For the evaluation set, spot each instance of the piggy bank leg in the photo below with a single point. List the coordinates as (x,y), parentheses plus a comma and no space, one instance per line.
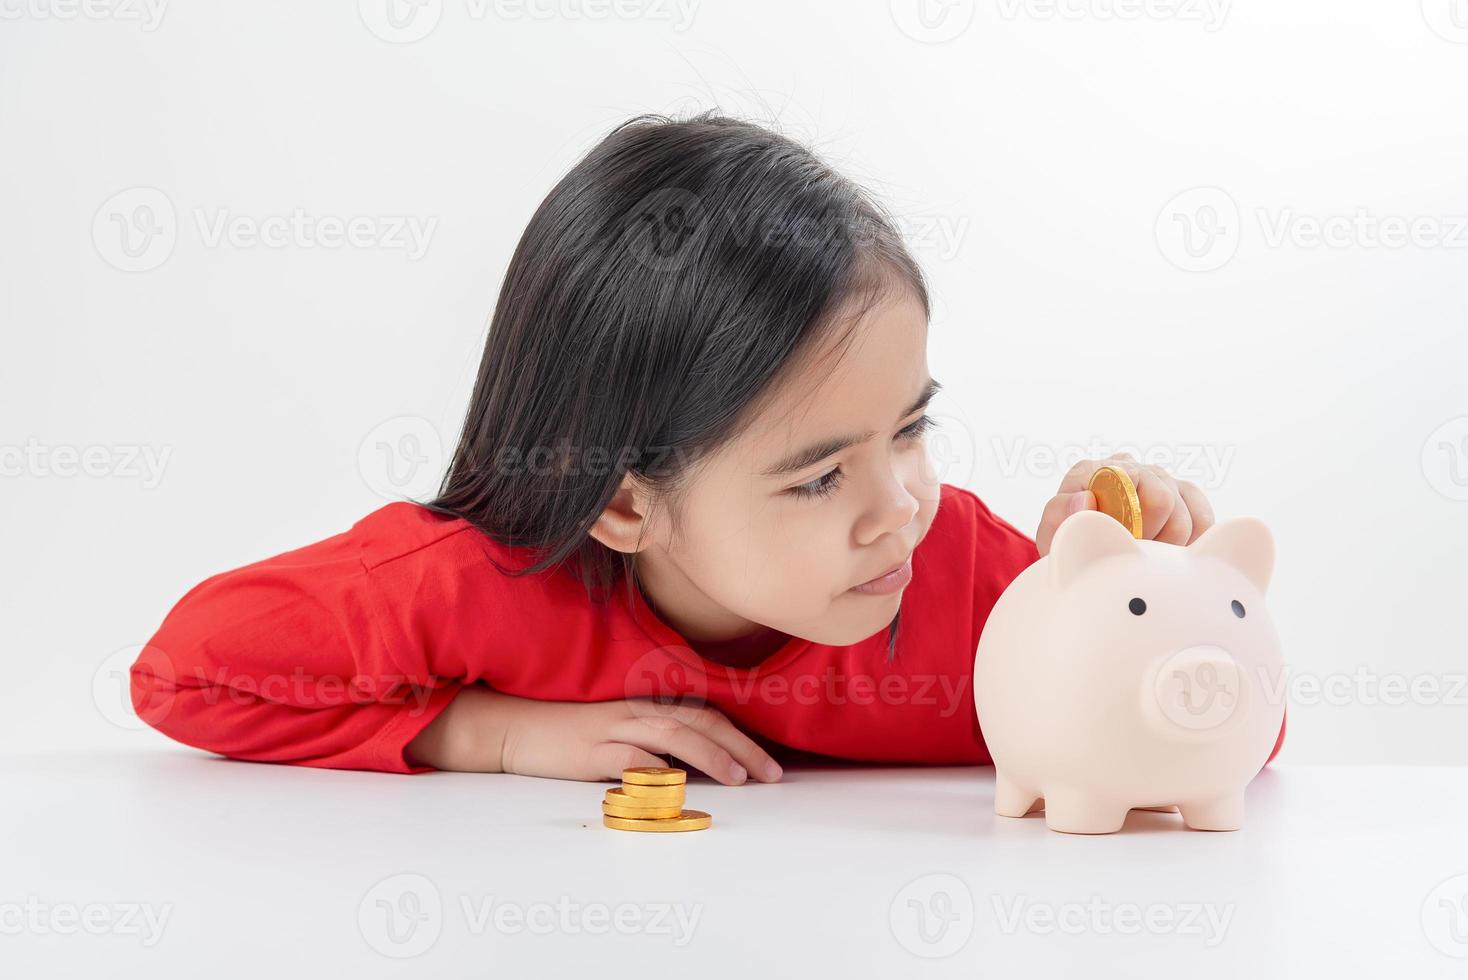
(1220,813)
(1010,800)
(1072,812)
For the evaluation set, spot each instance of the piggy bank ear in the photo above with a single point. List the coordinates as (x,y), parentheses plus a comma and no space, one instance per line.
(1243,542)
(1086,537)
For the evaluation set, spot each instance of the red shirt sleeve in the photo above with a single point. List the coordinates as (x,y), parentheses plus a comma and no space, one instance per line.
(284,660)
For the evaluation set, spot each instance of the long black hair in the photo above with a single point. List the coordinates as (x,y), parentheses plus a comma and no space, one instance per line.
(658,292)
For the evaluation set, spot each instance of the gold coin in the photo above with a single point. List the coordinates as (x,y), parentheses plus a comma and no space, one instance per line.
(653,776)
(662,795)
(641,812)
(621,797)
(1116,496)
(687,820)
(631,795)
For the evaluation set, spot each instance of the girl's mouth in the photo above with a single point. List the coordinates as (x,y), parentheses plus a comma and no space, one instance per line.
(890,582)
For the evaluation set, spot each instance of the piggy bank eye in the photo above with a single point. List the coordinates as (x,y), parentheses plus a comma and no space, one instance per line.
(1238,608)
(1137,606)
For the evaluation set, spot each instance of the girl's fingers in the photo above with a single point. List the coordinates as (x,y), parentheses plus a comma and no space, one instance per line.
(693,746)
(1157,498)
(714,725)
(1060,507)
(1173,511)
(1078,477)
(1178,526)
(1157,491)
(756,761)
(606,760)
(1198,506)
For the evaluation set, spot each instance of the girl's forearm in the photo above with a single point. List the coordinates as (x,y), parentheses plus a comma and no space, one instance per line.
(467,736)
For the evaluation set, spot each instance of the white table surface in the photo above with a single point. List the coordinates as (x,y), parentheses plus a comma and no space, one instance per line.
(251,870)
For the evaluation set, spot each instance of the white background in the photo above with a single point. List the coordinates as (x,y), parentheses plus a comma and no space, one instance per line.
(1035,155)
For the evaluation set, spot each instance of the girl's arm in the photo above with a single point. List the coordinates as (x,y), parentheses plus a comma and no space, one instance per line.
(284,661)
(467,736)
(488,731)
(287,660)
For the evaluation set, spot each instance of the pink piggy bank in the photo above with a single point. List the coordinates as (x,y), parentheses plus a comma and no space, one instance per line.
(1117,673)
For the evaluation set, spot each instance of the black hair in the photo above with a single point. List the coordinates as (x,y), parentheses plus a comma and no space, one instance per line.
(657,293)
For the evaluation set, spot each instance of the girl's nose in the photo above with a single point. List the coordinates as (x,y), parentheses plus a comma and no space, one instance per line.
(894,510)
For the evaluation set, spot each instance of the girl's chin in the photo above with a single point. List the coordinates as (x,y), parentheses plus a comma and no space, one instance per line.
(863,618)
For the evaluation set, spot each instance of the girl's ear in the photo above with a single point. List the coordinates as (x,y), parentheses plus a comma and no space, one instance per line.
(1083,538)
(1243,542)
(622,525)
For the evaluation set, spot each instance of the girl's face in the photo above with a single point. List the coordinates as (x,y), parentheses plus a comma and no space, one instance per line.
(830,487)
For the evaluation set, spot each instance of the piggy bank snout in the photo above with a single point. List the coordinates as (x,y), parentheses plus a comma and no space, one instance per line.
(1197,692)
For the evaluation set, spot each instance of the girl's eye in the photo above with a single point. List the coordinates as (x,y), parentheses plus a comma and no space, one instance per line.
(918,429)
(826,485)
(821,487)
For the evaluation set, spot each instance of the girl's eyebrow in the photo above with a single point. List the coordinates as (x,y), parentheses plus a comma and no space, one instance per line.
(816,452)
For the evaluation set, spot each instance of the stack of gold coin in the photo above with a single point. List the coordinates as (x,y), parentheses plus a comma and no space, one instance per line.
(651,799)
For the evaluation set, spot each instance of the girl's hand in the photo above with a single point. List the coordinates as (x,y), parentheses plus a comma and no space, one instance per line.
(487,731)
(1174,511)
(597,740)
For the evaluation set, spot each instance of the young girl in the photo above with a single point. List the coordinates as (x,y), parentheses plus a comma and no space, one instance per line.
(690,500)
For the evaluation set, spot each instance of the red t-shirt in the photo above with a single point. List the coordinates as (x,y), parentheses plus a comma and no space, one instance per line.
(337,654)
